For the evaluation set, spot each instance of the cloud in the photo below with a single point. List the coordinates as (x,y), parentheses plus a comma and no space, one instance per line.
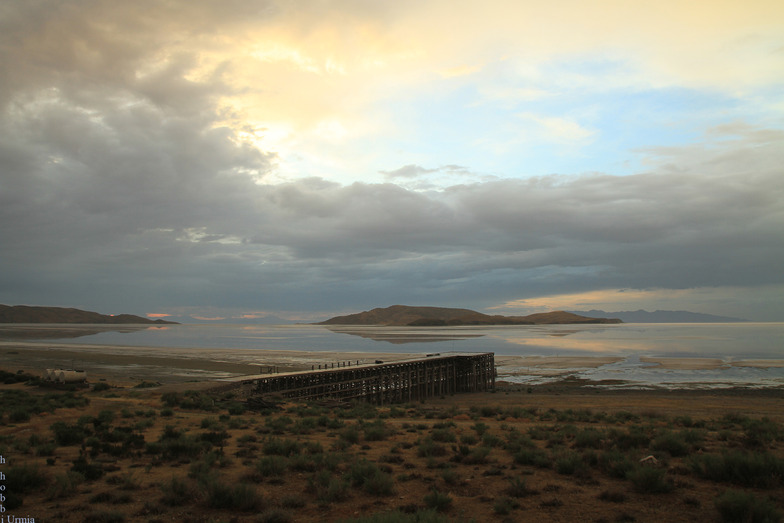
(232,156)
(559,129)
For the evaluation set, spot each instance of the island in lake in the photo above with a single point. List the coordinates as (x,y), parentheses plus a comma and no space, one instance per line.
(408,316)
(35,314)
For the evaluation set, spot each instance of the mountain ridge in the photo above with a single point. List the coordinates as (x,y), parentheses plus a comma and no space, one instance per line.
(660,316)
(423,316)
(41,314)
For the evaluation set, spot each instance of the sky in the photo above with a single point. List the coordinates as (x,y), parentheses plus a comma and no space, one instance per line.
(238,159)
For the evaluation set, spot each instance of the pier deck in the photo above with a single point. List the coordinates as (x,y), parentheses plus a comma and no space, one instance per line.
(381,383)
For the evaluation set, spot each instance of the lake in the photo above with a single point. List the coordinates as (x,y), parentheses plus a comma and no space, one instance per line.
(633,344)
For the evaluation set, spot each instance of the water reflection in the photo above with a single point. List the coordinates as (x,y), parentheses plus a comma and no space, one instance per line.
(66,331)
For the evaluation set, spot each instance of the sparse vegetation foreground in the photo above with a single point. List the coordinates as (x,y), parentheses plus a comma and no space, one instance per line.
(106,453)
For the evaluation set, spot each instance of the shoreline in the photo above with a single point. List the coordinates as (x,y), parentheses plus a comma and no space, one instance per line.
(128,364)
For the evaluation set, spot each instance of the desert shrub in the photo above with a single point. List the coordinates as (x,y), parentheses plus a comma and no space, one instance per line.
(242,497)
(19,415)
(632,438)
(64,485)
(761,432)
(623,416)
(438,501)
(476,456)
(125,481)
(407,516)
(376,431)
(90,471)
(278,424)
(532,456)
(281,447)
(445,435)
(366,475)
(101,386)
(649,480)
(235,408)
(736,506)
(569,463)
(491,440)
(518,488)
(589,438)
(429,448)
(615,464)
(758,469)
(350,435)
(360,410)
(66,434)
(517,441)
(215,438)
(174,445)
(177,492)
(480,428)
(450,477)
(272,466)
(672,443)
(379,484)
(304,425)
(468,439)
(326,488)
(22,479)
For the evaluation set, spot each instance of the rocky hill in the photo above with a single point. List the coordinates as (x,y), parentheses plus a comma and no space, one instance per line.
(33,314)
(404,315)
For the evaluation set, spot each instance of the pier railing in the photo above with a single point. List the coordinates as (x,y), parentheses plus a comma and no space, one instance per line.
(380,383)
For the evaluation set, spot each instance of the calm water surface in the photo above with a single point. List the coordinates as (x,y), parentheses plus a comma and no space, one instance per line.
(726,341)
(714,340)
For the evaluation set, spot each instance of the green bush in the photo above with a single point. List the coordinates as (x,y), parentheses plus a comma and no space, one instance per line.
(589,438)
(649,480)
(671,442)
(569,463)
(616,464)
(532,456)
(736,506)
(23,479)
(177,492)
(518,488)
(758,469)
(420,516)
(281,447)
(428,448)
(242,497)
(438,501)
(66,434)
(272,466)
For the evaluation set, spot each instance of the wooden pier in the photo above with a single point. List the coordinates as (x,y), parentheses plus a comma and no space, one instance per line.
(380,383)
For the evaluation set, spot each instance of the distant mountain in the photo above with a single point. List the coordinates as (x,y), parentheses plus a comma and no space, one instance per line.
(641,316)
(32,314)
(264,320)
(404,315)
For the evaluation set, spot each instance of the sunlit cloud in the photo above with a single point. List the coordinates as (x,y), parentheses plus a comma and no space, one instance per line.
(631,299)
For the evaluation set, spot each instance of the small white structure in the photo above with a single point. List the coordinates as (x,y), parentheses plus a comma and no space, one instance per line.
(65,375)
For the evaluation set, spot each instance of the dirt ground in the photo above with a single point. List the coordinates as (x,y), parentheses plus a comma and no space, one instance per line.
(516,454)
